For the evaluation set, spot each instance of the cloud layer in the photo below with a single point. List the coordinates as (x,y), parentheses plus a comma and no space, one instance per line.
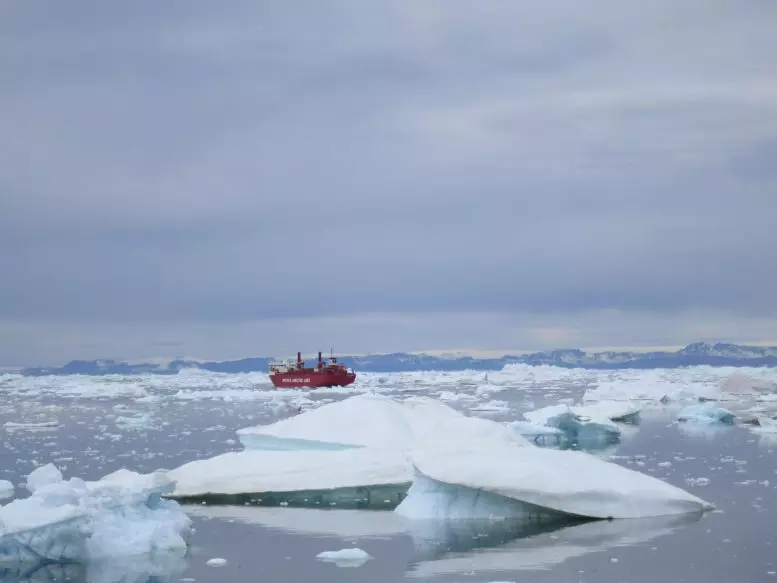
(169,166)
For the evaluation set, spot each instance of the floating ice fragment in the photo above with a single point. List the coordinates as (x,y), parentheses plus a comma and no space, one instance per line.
(6,489)
(346,557)
(503,481)
(706,413)
(216,562)
(77,521)
(43,476)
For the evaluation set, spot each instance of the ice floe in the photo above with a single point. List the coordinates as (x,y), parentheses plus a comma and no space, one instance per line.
(538,483)
(79,521)
(6,489)
(706,413)
(345,557)
(582,425)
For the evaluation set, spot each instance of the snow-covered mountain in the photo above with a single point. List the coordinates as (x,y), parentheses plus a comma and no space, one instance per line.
(698,353)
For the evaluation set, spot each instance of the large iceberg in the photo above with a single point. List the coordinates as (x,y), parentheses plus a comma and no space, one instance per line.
(537,484)
(77,521)
(365,451)
(349,454)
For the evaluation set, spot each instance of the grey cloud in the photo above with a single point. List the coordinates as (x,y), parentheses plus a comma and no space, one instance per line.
(181,163)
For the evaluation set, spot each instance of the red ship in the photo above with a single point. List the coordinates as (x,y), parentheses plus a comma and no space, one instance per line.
(296,374)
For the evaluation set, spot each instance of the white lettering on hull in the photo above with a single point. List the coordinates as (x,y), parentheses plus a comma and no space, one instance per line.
(295,380)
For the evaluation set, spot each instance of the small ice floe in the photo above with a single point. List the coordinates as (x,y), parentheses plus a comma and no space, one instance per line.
(585,430)
(75,521)
(706,413)
(31,426)
(216,562)
(345,558)
(764,425)
(6,489)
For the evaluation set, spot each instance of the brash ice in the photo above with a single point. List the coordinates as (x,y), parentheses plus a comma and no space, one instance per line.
(296,374)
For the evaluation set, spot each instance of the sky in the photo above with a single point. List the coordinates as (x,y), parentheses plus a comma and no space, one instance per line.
(190,178)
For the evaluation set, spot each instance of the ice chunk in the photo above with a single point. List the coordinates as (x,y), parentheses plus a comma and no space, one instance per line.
(345,557)
(581,429)
(432,499)
(354,477)
(568,482)
(706,413)
(376,421)
(77,521)
(6,489)
(43,476)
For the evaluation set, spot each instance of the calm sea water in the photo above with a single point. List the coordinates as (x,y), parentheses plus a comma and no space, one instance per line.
(729,466)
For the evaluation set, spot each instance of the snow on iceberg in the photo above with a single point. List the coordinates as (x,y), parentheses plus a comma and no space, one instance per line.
(349,454)
(538,484)
(375,421)
(77,521)
(6,489)
(706,413)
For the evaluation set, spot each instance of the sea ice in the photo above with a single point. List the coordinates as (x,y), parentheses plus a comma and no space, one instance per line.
(706,413)
(503,481)
(577,428)
(6,489)
(78,521)
(346,557)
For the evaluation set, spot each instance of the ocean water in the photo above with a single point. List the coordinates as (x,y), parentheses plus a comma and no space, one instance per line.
(91,426)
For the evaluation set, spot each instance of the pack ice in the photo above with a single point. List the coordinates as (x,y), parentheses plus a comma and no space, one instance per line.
(76,521)
(458,465)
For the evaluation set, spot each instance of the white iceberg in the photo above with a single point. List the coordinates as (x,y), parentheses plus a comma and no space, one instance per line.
(375,421)
(77,521)
(706,413)
(347,454)
(379,445)
(535,483)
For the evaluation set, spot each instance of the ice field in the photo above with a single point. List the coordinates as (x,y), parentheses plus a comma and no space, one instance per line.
(660,446)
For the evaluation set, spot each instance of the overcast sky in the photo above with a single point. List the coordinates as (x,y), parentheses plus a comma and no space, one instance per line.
(243,178)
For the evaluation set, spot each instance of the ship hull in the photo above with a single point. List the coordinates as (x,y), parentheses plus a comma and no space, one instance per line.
(314,379)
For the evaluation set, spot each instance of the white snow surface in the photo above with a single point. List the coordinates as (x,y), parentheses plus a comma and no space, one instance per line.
(6,489)
(382,422)
(569,482)
(249,472)
(79,521)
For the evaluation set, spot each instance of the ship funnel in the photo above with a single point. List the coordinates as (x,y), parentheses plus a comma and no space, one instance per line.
(319,357)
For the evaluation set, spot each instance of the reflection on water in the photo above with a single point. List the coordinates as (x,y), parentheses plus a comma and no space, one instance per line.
(158,568)
(526,549)
(451,546)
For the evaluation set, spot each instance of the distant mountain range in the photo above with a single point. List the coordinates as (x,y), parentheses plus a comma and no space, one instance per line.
(698,353)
